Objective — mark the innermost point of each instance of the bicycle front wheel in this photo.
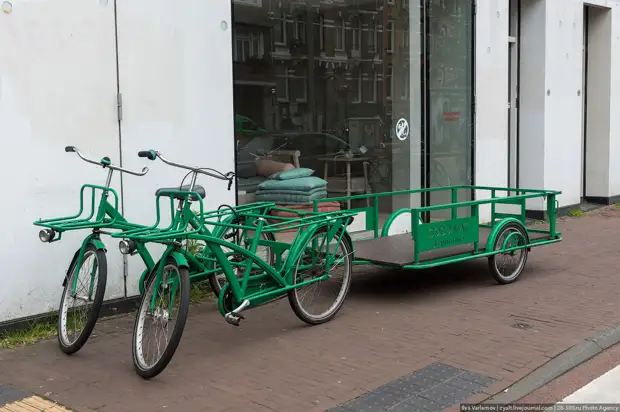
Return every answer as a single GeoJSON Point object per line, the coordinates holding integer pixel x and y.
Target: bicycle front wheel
{"type": "Point", "coordinates": [158, 329]}
{"type": "Point", "coordinates": [79, 311]}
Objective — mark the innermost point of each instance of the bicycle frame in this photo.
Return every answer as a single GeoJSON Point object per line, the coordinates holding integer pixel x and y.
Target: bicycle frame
{"type": "Point", "coordinates": [106, 217]}
{"type": "Point", "coordinates": [181, 219]}
{"type": "Point", "coordinates": [273, 281]}
{"type": "Point", "coordinates": [278, 280]}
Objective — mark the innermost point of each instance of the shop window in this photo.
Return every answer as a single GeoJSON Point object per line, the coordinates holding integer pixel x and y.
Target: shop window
{"type": "Point", "coordinates": [362, 73]}
{"type": "Point", "coordinates": [389, 37]}
{"type": "Point", "coordinates": [388, 83]}
{"type": "Point", "coordinates": [248, 45]}
{"type": "Point", "coordinates": [279, 30]}
{"type": "Point", "coordinates": [339, 33]}
{"type": "Point", "coordinates": [371, 38]}
{"type": "Point", "coordinates": [356, 35]}
{"type": "Point", "coordinates": [300, 31]}
{"type": "Point", "coordinates": [369, 87]}
{"type": "Point", "coordinates": [354, 85]}
{"type": "Point", "coordinates": [322, 33]}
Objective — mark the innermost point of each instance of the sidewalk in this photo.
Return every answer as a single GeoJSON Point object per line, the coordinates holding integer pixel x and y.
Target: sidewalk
{"type": "Point", "coordinates": [603, 389]}
{"type": "Point", "coordinates": [394, 324]}
{"type": "Point", "coordinates": [569, 387]}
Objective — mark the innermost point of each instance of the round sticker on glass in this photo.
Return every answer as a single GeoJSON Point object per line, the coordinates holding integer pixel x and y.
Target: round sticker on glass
{"type": "Point", "coordinates": [402, 129]}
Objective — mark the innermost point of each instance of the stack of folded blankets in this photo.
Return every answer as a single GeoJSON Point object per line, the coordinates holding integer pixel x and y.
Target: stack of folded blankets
{"type": "Point", "coordinates": [295, 189]}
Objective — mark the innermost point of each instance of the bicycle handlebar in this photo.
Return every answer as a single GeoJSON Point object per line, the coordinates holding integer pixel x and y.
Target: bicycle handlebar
{"type": "Point", "coordinates": [153, 154]}
{"type": "Point", "coordinates": [105, 162]}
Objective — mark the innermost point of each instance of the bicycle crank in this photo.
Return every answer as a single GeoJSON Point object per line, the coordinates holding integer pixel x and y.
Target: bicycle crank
{"type": "Point", "coordinates": [234, 317]}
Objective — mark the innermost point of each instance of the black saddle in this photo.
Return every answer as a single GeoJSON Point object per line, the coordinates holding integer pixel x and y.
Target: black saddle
{"type": "Point", "coordinates": [197, 188]}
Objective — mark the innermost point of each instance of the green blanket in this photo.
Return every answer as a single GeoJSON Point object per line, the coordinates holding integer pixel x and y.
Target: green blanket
{"type": "Point", "coordinates": [305, 184]}
{"type": "Point", "coordinates": [290, 198]}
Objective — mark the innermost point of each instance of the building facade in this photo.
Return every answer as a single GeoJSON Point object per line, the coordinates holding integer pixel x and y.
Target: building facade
{"type": "Point", "coordinates": [516, 93]}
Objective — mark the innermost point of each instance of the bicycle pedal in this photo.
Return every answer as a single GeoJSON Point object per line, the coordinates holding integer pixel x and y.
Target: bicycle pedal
{"type": "Point", "coordinates": [234, 318]}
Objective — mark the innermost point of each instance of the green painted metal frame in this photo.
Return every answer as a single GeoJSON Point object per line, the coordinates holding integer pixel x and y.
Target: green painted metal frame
{"type": "Point", "coordinates": [271, 282]}
{"type": "Point", "coordinates": [102, 217]}
{"type": "Point", "coordinates": [467, 228]}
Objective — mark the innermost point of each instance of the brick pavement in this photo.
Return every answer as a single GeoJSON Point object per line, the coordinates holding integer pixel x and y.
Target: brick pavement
{"type": "Point", "coordinates": [393, 323]}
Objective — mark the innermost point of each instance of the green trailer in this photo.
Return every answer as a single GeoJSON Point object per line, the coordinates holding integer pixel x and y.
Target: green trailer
{"type": "Point", "coordinates": [457, 235]}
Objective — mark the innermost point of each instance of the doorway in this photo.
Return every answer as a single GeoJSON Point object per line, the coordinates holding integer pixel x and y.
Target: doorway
{"type": "Point", "coordinates": [596, 83]}
{"type": "Point", "coordinates": [513, 93]}
{"type": "Point", "coordinates": [584, 101]}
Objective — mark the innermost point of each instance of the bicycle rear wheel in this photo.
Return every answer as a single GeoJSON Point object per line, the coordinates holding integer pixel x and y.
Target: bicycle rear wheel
{"type": "Point", "coordinates": [322, 256]}
{"type": "Point", "coordinates": [78, 313]}
{"type": "Point", "coordinates": [151, 358]}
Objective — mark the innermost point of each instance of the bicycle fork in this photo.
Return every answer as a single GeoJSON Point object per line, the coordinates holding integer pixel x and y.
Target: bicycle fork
{"type": "Point", "coordinates": [77, 268]}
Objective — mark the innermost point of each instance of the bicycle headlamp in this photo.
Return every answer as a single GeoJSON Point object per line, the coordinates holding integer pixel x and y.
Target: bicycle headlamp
{"type": "Point", "coordinates": [126, 247]}
{"type": "Point", "coordinates": [46, 235]}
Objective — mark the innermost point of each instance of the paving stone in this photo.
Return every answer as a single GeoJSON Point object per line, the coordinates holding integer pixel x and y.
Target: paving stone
{"type": "Point", "coordinates": [476, 378]}
{"type": "Point", "coordinates": [469, 386]}
{"type": "Point", "coordinates": [9, 393]}
{"type": "Point", "coordinates": [445, 395]}
{"type": "Point", "coordinates": [425, 404]}
{"type": "Point", "coordinates": [394, 323]}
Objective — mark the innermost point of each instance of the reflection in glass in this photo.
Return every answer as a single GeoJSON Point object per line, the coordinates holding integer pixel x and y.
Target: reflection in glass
{"type": "Point", "coordinates": [322, 84]}
{"type": "Point", "coordinates": [450, 90]}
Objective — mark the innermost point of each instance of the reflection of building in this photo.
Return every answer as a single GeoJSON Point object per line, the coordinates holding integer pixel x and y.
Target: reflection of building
{"type": "Point", "coordinates": [326, 64]}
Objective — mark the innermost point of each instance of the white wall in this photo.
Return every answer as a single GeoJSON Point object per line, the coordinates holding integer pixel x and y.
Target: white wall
{"type": "Point", "coordinates": [491, 140]}
{"type": "Point", "coordinates": [563, 105]}
{"type": "Point", "coordinates": [57, 88]}
{"type": "Point", "coordinates": [550, 99]}
{"type": "Point", "coordinates": [175, 66]}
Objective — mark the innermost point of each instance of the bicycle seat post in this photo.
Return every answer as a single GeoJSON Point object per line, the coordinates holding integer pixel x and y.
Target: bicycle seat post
{"type": "Point", "coordinates": [192, 184]}
{"type": "Point", "coordinates": [193, 181]}
{"type": "Point", "coordinates": [108, 180]}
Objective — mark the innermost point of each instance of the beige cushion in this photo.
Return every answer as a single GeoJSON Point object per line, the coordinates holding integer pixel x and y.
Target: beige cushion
{"type": "Point", "coordinates": [267, 167]}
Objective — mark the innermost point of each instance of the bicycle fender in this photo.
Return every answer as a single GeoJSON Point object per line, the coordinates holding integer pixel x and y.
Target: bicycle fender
{"type": "Point", "coordinates": [180, 260]}
{"type": "Point", "coordinates": [144, 277]}
{"type": "Point", "coordinates": [498, 227]}
{"type": "Point", "coordinates": [71, 264]}
{"type": "Point", "coordinates": [98, 244]}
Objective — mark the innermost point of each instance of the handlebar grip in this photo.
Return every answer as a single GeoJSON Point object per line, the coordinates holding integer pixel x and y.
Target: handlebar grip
{"type": "Point", "coordinates": [69, 149]}
{"type": "Point", "coordinates": [149, 154]}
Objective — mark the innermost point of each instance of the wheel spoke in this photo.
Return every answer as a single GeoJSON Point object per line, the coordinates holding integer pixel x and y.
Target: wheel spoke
{"type": "Point", "coordinates": [154, 327]}
{"type": "Point", "coordinates": [508, 264]}
{"type": "Point", "coordinates": [76, 309]}
{"type": "Point", "coordinates": [321, 299]}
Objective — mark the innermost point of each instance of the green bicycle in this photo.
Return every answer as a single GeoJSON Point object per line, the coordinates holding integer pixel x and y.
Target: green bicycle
{"type": "Point", "coordinates": [320, 244]}
{"type": "Point", "coordinates": [85, 280]}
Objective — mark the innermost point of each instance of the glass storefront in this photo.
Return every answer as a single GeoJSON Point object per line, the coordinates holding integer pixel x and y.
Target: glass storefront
{"type": "Point", "coordinates": [373, 95]}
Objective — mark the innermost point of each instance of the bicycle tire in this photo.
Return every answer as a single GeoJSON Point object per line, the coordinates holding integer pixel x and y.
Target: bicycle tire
{"type": "Point", "coordinates": [177, 332]}
{"type": "Point", "coordinates": [293, 296]}
{"type": "Point", "coordinates": [102, 267]}
{"type": "Point", "coordinates": [501, 278]}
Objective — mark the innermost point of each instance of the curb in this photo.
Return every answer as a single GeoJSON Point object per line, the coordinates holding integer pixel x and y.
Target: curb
{"type": "Point", "coordinates": [558, 366]}
{"type": "Point", "coordinates": [109, 308]}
